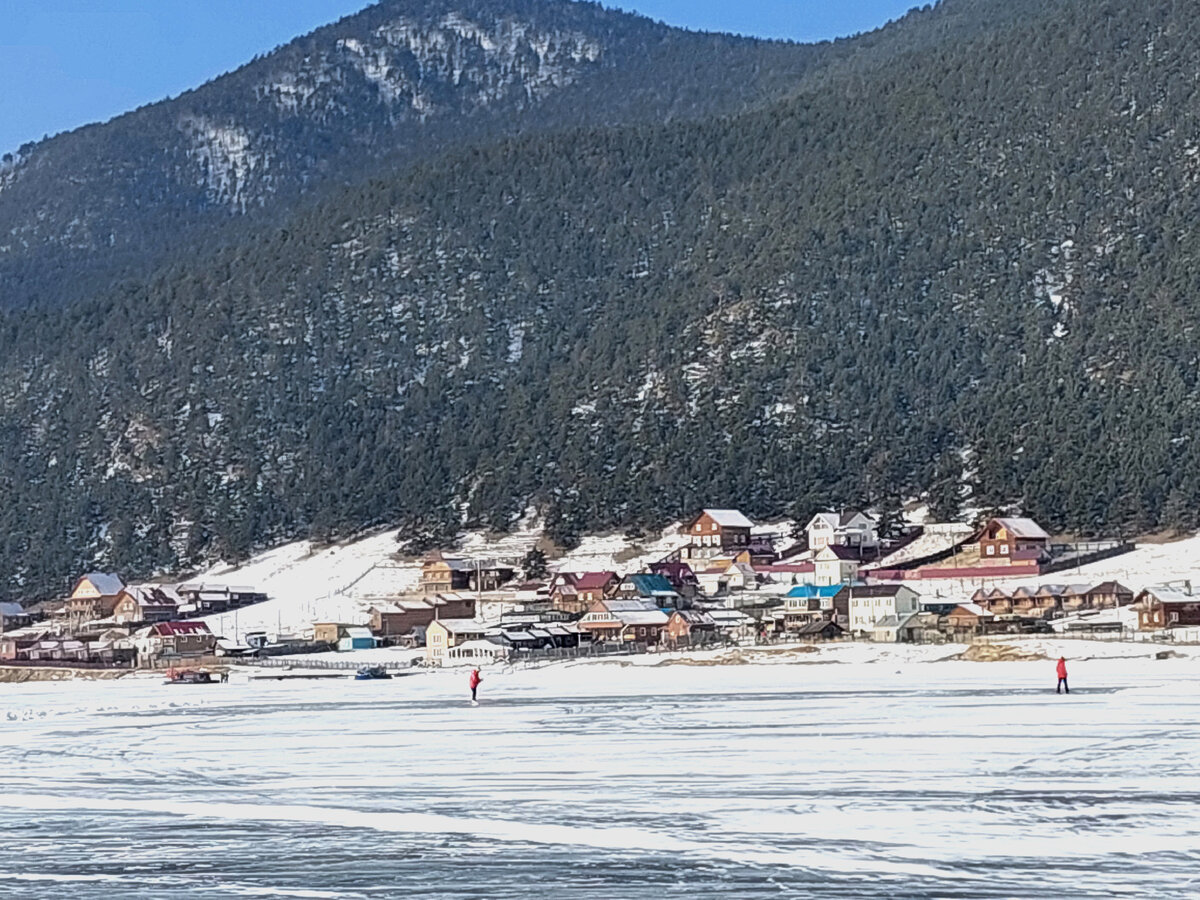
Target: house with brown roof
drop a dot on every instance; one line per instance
(968, 618)
(1162, 606)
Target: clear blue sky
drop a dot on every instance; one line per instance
(64, 63)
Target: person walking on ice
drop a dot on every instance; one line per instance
(474, 683)
(1062, 676)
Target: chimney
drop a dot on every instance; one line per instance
(1187, 587)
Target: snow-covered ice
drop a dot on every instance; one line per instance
(830, 777)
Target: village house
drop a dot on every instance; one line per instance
(835, 564)
(1162, 606)
(406, 616)
(443, 574)
(654, 588)
(93, 597)
(442, 635)
(820, 629)
(575, 592)
(138, 603)
(806, 602)
(174, 639)
(690, 627)
(909, 628)
(343, 636)
(1013, 539)
(968, 618)
(13, 615)
(866, 604)
(205, 598)
(786, 572)
(679, 574)
(1109, 595)
(717, 531)
(625, 620)
(845, 529)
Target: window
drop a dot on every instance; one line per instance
(990, 551)
(1174, 617)
(1004, 549)
(714, 526)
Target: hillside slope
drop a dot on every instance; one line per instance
(401, 80)
(970, 269)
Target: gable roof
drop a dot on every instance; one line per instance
(1019, 526)
(694, 616)
(12, 609)
(460, 626)
(728, 518)
(587, 581)
(651, 585)
(818, 625)
(973, 609)
(109, 584)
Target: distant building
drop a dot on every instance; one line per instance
(13, 615)
(968, 618)
(175, 639)
(835, 564)
(94, 596)
(654, 588)
(690, 627)
(405, 615)
(1161, 606)
(442, 574)
(625, 620)
(1013, 539)
(724, 530)
(868, 603)
(444, 634)
(146, 603)
(575, 592)
(206, 598)
(846, 529)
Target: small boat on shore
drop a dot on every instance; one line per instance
(372, 673)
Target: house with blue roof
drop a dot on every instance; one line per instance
(644, 586)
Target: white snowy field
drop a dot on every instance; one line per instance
(901, 777)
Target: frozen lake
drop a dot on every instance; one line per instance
(894, 779)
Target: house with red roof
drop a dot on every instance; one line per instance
(576, 592)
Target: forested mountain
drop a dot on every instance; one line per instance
(967, 258)
(401, 80)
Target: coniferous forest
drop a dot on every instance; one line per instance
(613, 271)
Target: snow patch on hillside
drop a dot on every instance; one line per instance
(225, 158)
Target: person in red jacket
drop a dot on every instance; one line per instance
(1062, 676)
(474, 683)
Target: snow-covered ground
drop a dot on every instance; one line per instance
(897, 778)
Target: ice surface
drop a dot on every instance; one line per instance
(899, 777)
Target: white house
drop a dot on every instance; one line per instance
(871, 602)
(845, 529)
(835, 564)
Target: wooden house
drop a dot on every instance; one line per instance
(1109, 595)
(1013, 539)
(625, 620)
(146, 603)
(576, 592)
(644, 586)
(821, 629)
(722, 530)
(442, 574)
(205, 598)
(407, 615)
(688, 627)
(1162, 607)
(968, 618)
(993, 600)
(679, 574)
(175, 639)
(94, 596)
